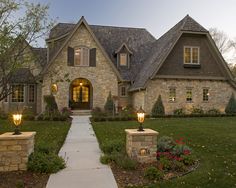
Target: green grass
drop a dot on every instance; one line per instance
(212, 139)
(50, 133)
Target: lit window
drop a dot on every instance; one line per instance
(172, 94)
(31, 93)
(123, 91)
(191, 55)
(17, 93)
(189, 95)
(82, 56)
(205, 96)
(123, 59)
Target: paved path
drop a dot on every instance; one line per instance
(82, 153)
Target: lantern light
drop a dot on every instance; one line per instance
(17, 121)
(141, 117)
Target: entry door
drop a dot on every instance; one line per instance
(81, 97)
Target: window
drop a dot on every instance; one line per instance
(191, 55)
(189, 95)
(31, 93)
(17, 93)
(123, 91)
(205, 96)
(172, 95)
(82, 56)
(123, 59)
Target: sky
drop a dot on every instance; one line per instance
(157, 16)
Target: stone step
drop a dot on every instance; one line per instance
(81, 112)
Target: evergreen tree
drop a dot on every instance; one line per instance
(109, 106)
(158, 107)
(231, 106)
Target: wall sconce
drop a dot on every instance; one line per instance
(141, 117)
(17, 121)
(54, 88)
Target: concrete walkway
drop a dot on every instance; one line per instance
(82, 153)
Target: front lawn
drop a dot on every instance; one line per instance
(50, 133)
(212, 139)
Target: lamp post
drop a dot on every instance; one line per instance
(141, 117)
(17, 121)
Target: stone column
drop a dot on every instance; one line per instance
(15, 150)
(141, 145)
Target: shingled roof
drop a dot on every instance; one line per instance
(161, 49)
(22, 75)
(41, 56)
(147, 52)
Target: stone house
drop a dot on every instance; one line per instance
(83, 63)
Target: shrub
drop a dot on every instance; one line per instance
(166, 163)
(3, 115)
(126, 163)
(179, 166)
(152, 173)
(179, 111)
(197, 111)
(66, 111)
(112, 146)
(213, 111)
(109, 106)
(165, 143)
(231, 106)
(188, 159)
(158, 108)
(105, 159)
(180, 149)
(45, 163)
(51, 105)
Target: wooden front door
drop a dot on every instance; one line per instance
(80, 97)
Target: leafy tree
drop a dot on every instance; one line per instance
(109, 106)
(231, 106)
(158, 107)
(21, 25)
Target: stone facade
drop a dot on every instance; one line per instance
(138, 99)
(15, 150)
(141, 145)
(219, 94)
(102, 77)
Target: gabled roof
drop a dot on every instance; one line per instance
(41, 56)
(162, 47)
(22, 75)
(125, 46)
(112, 38)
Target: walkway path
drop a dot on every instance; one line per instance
(82, 153)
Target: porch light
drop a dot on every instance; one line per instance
(54, 88)
(17, 121)
(80, 83)
(141, 117)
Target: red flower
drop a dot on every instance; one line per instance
(186, 152)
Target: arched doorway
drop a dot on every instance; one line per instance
(80, 94)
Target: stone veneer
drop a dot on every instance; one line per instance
(102, 77)
(141, 145)
(220, 92)
(15, 150)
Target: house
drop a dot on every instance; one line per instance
(85, 62)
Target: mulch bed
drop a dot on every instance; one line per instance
(23, 179)
(135, 177)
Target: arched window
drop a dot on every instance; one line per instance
(81, 56)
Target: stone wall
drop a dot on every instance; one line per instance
(219, 94)
(15, 150)
(138, 99)
(102, 77)
(141, 145)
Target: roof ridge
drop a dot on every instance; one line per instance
(122, 27)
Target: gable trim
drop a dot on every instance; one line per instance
(119, 49)
(83, 21)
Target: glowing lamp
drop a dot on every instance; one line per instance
(17, 121)
(141, 117)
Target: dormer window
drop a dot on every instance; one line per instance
(123, 59)
(191, 55)
(81, 56)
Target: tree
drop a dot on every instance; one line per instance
(231, 106)
(223, 42)
(109, 106)
(21, 25)
(158, 107)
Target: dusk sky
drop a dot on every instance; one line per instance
(157, 16)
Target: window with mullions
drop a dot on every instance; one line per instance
(205, 96)
(191, 55)
(172, 94)
(31, 93)
(189, 95)
(17, 93)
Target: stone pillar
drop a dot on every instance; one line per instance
(15, 150)
(141, 145)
